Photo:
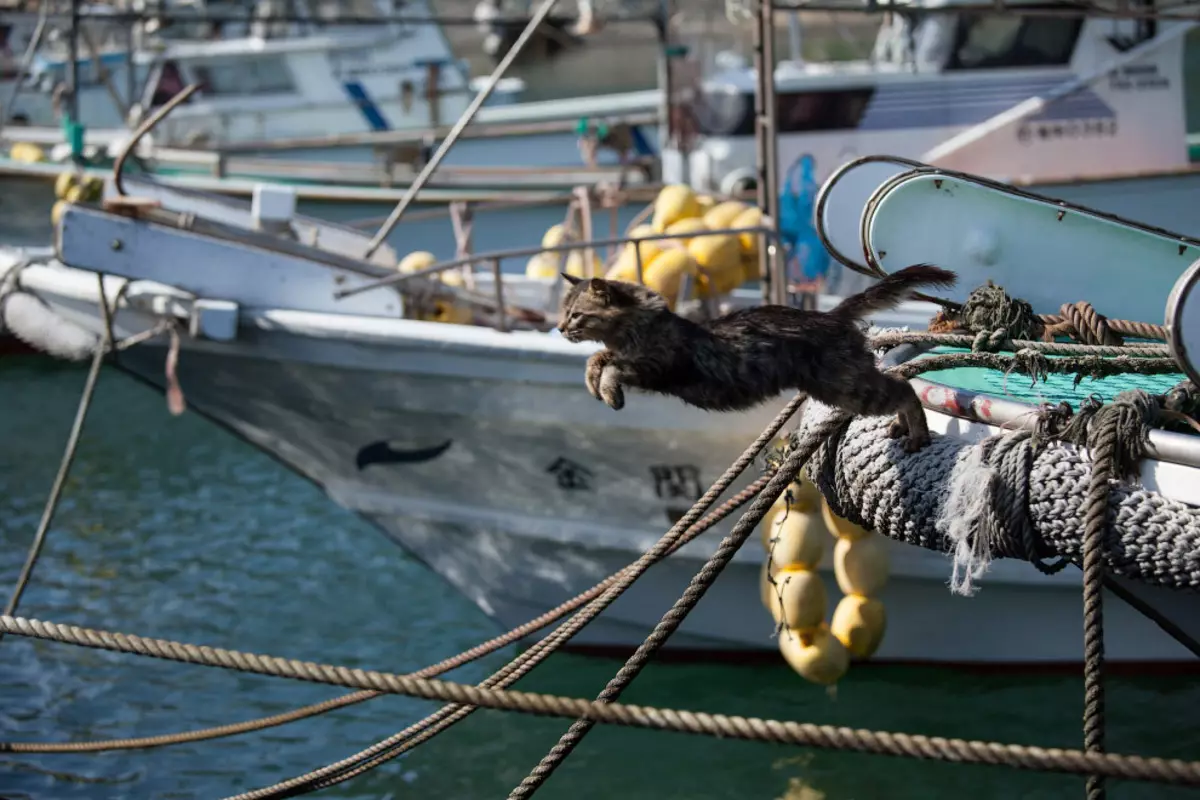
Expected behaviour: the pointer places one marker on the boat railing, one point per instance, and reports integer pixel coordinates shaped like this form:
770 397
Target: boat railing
768 238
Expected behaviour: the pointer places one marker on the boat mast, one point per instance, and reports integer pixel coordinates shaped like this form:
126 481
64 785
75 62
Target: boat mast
774 288
71 123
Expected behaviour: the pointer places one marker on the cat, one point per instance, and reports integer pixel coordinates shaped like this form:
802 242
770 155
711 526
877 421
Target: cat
748 356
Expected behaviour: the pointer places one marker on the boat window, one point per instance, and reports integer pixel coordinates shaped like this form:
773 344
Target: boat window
170 83
245 77
996 41
821 111
722 112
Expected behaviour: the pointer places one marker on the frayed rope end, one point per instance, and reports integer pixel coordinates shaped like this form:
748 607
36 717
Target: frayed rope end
966 517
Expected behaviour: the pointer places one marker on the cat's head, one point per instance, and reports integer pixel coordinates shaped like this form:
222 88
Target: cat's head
595 309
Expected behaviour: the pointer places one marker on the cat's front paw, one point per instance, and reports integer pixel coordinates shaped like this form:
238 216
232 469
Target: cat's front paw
610 389
897 429
593 373
915 441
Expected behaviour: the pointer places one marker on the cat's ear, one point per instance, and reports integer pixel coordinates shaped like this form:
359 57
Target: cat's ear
600 289
571 279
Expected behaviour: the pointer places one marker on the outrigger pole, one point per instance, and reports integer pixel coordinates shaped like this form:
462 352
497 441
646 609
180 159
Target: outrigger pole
774 283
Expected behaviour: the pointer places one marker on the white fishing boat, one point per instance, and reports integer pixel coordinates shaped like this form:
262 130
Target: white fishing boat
477 448
1089 110
345 110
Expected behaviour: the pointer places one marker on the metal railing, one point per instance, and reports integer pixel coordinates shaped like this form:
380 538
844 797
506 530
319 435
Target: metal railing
769 238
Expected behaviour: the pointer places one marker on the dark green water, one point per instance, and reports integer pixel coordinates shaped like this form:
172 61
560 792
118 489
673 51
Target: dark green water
171 527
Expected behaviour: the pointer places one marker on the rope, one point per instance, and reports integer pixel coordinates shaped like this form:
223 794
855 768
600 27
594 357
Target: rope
674 617
1127 767
64 467
989 308
1012 461
1150 538
998 340
446 717
446 665
1095 525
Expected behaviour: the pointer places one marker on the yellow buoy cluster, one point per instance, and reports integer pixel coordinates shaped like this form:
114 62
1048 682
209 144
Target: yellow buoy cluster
550 264
718 263
795 532
442 310
72 187
26 153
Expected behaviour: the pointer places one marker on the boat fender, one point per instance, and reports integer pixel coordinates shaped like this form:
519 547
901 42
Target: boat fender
35 323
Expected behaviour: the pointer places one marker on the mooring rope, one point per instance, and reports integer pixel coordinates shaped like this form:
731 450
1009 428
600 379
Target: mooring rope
444 718
1114 434
998 340
450 715
446 665
674 617
64 465
1129 767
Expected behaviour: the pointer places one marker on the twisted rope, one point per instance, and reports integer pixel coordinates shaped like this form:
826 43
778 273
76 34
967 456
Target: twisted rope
64 466
446 665
674 617
447 717
989 308
990 341
1128 767
450 715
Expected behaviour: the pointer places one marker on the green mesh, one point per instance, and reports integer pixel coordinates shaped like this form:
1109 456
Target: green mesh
1052 389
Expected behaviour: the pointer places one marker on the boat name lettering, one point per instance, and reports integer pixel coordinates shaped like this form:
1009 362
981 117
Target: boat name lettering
1073 129
676 480
1135 77
571 475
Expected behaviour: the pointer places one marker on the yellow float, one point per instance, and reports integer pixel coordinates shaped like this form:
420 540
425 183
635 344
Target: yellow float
26 153
416 261
799 601
794 535
665 273
681 229
443 310
675 202
724 262
818 655
722 215
625 267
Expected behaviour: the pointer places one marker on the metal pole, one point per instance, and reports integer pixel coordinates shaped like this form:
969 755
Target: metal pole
664 71
130 69
73 65
774 288
35 42
534 23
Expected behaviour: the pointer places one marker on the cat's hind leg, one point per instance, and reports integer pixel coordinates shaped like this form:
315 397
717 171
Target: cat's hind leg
876 393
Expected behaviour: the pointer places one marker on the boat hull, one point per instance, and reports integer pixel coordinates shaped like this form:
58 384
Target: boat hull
521 491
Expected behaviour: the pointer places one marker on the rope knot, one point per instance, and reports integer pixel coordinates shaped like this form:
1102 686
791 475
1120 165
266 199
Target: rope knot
1182 398
1087 325
989 342
1119 430
989 308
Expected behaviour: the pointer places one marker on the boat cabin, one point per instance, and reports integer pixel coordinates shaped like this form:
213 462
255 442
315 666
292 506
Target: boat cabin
1114 90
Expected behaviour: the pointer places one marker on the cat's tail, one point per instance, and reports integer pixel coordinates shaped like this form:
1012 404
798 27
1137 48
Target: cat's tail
892 290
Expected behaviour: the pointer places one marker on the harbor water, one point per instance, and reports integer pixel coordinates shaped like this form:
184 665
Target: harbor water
171 527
